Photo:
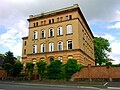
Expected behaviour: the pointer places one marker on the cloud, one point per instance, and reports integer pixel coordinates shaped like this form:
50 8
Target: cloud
12 38
116 26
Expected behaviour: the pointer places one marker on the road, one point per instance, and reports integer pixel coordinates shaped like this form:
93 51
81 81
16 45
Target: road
29 86
6 86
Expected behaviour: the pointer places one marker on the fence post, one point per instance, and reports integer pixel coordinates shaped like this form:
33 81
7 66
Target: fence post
89 72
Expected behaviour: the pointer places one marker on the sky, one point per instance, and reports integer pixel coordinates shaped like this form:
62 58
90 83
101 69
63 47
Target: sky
102 16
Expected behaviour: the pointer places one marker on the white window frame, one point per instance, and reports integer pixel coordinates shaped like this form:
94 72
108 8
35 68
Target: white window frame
60 45
35 35
34 49
51 29
68 42
42 47
51 47
43 31
60 31
69 29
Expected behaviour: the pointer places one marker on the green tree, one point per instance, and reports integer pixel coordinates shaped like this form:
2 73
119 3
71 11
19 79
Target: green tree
16 68
71 67
54 70
41 69
109 64
9 58
8 68
1 59
30 68
101 48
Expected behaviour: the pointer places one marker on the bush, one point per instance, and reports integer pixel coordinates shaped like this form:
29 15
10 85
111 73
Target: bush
71 67
54 70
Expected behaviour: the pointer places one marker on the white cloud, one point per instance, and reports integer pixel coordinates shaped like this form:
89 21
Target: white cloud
107 36
12 39
116 26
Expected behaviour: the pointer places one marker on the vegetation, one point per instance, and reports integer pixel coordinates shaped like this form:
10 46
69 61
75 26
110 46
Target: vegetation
54 70
30 68
71 67
16 69
41 69
101 47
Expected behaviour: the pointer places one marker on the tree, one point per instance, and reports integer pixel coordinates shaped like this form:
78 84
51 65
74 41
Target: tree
101 48
30 68
54 70
41 69
16 68
71 67
8 68
9 58
1 59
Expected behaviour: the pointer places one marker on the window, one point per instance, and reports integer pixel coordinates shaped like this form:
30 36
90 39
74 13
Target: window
59 30
52 20
24 51
43 33
51 47
42 47
35 35
51 32
51 59
70 17
69 29
70 56
60 46
34 49
36 23
42 59
60 58
66 17
69 44
25 43
41 22
58 19
49 21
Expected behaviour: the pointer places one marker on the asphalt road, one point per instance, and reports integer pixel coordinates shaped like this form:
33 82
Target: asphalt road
5 86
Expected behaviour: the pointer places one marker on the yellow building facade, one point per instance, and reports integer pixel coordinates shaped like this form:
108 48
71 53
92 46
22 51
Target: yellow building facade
59 35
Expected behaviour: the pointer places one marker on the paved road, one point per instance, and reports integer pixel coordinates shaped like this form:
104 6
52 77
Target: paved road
5 86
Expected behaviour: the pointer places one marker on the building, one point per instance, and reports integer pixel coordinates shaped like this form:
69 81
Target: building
59 35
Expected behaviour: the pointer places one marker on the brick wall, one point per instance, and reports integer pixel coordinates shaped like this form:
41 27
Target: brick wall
93 72
2 73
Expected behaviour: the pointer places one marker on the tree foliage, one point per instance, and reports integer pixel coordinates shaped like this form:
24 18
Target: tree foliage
41 69
30 68
9 58
71 67
8 68
101 48
54 70
16 68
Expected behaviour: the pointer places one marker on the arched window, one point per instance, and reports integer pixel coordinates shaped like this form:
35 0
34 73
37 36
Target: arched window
60 58
42 47
34 49
35 35
69 45
60 46
70 56
43 33
59 30
51 59
42 59
51 32
69 29
51 47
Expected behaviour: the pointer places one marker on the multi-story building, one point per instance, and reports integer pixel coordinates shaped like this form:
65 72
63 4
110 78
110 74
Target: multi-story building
59 35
